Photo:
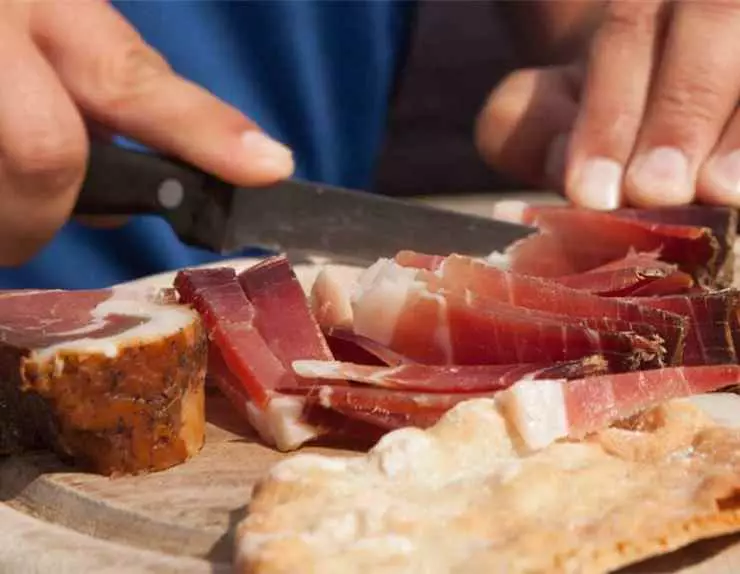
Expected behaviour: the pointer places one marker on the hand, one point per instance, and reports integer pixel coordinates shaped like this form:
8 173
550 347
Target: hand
648 119
63 65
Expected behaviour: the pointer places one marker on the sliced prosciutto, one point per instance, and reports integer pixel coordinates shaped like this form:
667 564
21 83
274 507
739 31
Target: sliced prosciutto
447 378
721 220
246 369
350 347
709 339
388 410
544 411
577 240
483 285
637 274
282 316
449 327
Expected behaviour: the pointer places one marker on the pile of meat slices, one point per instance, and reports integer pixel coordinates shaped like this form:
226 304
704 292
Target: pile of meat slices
592 319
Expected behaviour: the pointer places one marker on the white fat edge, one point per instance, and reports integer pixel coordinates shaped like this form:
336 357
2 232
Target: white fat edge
442 334
280 424
310 368
163 320
498 260
537 410
722 408
335 370
379 297
510 210
331 291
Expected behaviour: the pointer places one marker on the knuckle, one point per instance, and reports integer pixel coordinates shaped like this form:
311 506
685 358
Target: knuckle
127 75
630 18
689 107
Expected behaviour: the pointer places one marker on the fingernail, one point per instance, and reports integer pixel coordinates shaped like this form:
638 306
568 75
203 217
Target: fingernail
555 160
724 175
661 176
268 155
599 184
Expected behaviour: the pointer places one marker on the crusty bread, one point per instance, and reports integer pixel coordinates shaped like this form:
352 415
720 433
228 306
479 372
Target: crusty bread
113 379
465 497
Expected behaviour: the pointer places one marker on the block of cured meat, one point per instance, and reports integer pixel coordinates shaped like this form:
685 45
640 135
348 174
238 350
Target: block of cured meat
111 378
577 240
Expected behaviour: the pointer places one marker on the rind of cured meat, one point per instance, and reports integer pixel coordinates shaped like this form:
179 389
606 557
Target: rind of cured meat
396 307
232 329
576 240
447 378
544 411
473 276
709 337
112 378
721 220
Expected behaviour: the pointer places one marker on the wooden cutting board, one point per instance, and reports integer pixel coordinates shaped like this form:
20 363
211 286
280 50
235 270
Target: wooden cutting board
54 519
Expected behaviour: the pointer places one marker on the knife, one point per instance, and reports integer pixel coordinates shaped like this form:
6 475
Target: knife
291 216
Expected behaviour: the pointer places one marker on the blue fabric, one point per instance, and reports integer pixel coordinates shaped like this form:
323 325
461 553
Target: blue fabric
314 74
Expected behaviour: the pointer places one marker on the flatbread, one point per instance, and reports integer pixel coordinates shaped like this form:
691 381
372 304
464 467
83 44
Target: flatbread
465 497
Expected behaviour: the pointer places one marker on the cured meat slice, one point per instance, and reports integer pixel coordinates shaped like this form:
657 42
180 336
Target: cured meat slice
721 220
388 410
231 322
544 411
473 278
407 258
230 319
354 348
447 378
442 327
639 274
111 378
577 240
709 338
282 315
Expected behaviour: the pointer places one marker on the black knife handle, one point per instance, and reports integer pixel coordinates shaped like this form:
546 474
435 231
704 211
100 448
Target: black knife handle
126 182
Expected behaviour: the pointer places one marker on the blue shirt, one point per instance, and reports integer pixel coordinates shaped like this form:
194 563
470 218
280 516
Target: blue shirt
313 74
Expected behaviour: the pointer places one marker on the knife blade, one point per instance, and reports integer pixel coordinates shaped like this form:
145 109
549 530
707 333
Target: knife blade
292 216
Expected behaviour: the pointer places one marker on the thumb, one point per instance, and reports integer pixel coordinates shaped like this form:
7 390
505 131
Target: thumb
522 130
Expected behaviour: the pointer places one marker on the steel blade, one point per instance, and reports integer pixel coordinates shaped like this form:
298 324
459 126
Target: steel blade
311 219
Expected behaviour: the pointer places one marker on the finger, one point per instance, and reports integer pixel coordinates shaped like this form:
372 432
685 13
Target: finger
695 91
123 83
612 103
522 129
43 149
719 177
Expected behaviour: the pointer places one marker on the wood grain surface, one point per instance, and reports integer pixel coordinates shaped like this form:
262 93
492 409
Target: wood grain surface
54 519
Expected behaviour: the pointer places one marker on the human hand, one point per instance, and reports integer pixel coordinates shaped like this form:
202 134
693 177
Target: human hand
66 66
648 119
